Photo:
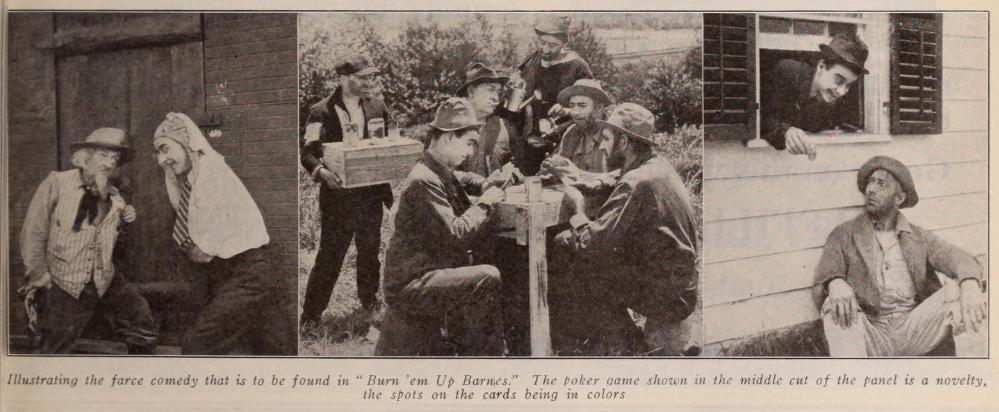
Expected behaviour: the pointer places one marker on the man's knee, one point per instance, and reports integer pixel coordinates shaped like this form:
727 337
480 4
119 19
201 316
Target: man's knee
488 277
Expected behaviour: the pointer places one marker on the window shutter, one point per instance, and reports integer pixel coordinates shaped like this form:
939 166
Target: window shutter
915 74
730 76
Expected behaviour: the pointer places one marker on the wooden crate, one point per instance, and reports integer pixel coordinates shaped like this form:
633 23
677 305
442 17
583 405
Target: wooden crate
372 161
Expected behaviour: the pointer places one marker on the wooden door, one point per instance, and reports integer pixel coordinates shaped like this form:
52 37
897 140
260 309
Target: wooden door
131 81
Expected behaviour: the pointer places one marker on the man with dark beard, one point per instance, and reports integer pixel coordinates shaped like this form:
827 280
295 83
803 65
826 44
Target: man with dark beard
68 239
877 286
546 72
638 253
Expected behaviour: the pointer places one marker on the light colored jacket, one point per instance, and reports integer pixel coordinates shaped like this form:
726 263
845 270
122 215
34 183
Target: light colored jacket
850 254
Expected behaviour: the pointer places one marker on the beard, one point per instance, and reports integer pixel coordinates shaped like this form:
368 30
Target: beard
102 185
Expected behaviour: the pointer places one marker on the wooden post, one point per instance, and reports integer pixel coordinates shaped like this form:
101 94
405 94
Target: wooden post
538 263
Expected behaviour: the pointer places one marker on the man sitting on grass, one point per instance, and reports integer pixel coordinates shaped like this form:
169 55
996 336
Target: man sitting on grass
876 284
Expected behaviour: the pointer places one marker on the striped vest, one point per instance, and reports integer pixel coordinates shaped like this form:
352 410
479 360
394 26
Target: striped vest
73 256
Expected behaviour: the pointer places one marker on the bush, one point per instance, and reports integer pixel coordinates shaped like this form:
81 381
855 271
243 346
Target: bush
671 93
424 64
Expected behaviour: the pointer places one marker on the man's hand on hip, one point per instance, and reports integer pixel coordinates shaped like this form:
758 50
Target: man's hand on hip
842 302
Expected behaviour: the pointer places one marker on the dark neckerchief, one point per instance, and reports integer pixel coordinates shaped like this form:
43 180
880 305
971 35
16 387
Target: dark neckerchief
88 208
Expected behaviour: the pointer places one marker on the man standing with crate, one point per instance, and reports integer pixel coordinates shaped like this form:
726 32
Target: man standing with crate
351 112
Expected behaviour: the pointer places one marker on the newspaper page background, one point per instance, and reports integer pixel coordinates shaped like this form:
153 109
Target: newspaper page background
712 383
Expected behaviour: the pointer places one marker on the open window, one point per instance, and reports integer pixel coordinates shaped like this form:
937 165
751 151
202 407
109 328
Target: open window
900 95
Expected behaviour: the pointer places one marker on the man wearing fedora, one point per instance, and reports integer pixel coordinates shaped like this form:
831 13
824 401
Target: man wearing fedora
798 98
876 284
582 153
346 214
482 88
428 269
639 252
68 240
546 72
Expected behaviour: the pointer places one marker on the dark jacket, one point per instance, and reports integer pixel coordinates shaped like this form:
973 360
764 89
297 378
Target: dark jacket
435 225
648 220
552 79
785 103
325 113
548 81
850 250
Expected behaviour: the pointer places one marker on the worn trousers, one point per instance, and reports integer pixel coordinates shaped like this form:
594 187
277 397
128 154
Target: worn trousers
468 295
589 296
911 333
363 226
64 317
246 307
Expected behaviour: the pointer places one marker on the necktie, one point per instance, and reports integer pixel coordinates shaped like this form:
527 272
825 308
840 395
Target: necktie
180 233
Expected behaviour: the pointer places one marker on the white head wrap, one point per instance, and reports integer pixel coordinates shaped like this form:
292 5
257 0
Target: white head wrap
223 219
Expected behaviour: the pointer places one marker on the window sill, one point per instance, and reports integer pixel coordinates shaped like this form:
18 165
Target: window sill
831 139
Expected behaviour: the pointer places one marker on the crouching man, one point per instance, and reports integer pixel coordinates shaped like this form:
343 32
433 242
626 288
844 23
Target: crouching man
68 239
219 228
428 275
877 286
638 253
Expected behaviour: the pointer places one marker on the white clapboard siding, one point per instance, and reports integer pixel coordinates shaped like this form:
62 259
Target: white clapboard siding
967 25
758 236
767 214
730 159
790 307
964 84
785 194
749 278
965 115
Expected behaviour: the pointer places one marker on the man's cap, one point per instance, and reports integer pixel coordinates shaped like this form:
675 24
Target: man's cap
896 169
584 87
455 114
557 26
849 49
634 121
477 73
107 138
356 64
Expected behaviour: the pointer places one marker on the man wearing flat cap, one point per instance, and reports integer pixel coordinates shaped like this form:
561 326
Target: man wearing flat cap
546 72
876 284
639 252
798 98
346 214
427 266
482 88
68 240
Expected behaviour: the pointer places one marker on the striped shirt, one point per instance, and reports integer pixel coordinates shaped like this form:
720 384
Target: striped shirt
49 243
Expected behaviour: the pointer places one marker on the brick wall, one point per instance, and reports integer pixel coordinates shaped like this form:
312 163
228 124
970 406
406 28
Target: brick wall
251 84
31 135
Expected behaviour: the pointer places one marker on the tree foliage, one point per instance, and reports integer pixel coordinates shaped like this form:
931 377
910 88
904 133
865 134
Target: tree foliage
424 62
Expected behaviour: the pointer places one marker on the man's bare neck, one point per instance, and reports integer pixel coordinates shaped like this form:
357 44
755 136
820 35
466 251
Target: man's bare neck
885 221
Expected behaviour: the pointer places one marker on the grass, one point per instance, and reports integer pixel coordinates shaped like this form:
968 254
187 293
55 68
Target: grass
346 330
